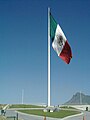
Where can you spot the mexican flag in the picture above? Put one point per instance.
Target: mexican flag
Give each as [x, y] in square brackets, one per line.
[59, 41]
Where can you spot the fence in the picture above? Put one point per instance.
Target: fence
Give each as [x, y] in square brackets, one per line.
[13, 117]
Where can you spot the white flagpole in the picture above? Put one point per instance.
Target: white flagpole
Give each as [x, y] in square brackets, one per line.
[80, 98]
[22, 95]
[48, 56]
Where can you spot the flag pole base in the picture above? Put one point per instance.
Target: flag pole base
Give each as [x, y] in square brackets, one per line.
[51, 109]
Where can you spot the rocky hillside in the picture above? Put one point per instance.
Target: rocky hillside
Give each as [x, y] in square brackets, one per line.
[79, 98]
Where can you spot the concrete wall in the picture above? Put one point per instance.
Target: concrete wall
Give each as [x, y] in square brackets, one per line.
[80, 107]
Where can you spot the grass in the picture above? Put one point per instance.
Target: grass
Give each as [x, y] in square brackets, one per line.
[60, 114]
[2, 118]
[24, 106]
[12, 119]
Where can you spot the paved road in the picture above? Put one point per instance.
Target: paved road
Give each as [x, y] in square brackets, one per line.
[32, 117]
[84, 116]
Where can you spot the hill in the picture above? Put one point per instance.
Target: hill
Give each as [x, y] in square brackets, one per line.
[78, 99]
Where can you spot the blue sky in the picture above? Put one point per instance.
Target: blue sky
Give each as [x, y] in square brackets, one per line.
[23, 50]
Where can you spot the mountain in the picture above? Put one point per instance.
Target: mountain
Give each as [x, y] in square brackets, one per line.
[78, 99]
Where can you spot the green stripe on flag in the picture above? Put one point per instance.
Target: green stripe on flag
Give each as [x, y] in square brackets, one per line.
[53, 26]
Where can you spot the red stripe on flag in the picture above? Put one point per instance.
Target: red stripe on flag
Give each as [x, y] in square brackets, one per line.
[66, 53]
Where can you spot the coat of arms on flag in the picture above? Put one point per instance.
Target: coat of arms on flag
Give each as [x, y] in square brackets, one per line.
[59, 41]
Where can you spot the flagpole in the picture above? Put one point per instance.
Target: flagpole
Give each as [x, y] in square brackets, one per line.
[48, 56]
[80, 98]
[22, 95]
